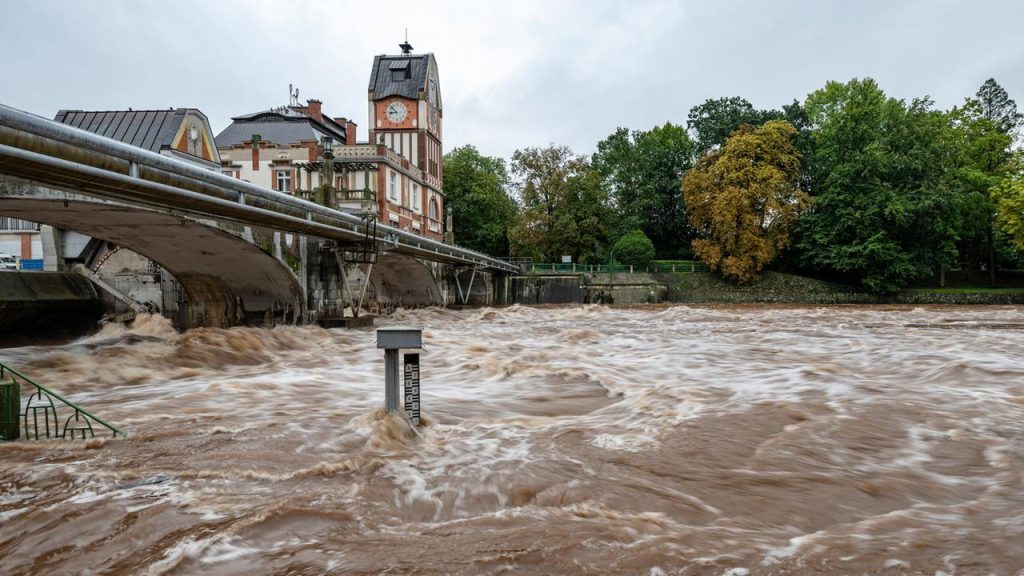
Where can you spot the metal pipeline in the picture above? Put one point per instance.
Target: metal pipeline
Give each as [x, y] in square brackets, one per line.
[113, 185]
[51, 133]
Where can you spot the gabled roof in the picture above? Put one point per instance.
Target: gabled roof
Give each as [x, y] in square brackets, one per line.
[149, 129]
[381, 84]
[281, 126]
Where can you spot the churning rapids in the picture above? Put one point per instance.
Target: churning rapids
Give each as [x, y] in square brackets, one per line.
[666, 440]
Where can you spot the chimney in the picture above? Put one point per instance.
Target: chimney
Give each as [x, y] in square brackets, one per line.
[350, 130]
[312, 108]
[256, 151]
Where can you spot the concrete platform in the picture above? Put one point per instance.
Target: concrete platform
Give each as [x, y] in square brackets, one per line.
[346, 322]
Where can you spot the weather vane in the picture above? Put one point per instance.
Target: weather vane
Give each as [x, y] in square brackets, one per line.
[405, 46]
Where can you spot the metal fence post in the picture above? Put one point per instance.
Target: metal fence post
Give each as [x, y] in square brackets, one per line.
[10, 410]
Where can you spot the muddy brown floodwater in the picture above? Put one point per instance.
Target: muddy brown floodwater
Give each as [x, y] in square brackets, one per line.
[584, 440]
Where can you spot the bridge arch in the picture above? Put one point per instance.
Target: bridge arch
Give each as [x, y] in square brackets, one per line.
[227, 279]
[400, 280]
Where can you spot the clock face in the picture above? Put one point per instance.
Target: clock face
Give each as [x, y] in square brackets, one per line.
[397, 112]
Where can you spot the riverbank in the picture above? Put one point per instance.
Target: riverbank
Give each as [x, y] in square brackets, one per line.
[704, 287]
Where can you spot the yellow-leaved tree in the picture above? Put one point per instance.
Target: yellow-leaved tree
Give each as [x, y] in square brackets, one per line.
[742, 200]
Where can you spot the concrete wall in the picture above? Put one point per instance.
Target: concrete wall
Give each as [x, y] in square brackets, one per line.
[582, 288]
[46, 302]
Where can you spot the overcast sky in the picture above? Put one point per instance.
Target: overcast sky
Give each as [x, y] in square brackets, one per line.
[513, 74]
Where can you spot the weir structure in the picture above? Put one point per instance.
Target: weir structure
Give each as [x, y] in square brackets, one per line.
[243, 254]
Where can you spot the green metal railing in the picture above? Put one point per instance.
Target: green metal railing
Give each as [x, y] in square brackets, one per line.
[673, 266]
[41, 408]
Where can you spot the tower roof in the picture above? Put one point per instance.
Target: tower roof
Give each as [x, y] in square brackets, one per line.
[383, 83]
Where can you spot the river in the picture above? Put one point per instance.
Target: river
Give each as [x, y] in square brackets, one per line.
[728, 440]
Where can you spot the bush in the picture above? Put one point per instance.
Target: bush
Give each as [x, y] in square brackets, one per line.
[634, 249]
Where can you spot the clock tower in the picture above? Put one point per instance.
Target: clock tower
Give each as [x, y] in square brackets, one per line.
[405, 113]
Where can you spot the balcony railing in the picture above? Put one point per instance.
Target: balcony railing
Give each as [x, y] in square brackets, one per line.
[356, 195]
[379, 153]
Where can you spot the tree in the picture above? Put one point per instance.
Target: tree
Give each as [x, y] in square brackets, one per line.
[583, 219]
[564, 209]
[634, 249]
[882, 214]
[997, 107]
[714, 120]
[743, 200]
[1008, 198]
[980, 154]
[642, 170]
[476, 189]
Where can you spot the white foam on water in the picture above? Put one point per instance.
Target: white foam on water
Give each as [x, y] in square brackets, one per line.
[229, 548]
[553, 402]
[624, 442]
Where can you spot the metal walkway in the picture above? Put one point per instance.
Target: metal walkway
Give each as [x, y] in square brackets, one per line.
[71, 159]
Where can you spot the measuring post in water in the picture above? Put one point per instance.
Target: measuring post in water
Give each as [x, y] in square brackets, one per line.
[393, 339]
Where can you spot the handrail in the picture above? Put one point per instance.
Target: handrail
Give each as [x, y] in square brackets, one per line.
[53, 395]
[680, 266]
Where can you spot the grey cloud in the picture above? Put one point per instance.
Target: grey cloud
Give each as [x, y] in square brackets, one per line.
[587, 67]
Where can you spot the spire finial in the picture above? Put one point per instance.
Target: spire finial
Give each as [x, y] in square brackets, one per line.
[405, 46]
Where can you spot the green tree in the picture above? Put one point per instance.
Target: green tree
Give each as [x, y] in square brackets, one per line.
[476, 189]
[714, 120]
[642, 170]
[1008, 198]
[583, 219]
[634, 249]
[980, 155]
[998, 108]
[882, 213]
[743, 199]
[564, 210]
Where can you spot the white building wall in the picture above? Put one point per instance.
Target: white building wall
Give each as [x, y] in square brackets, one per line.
[74, 243]
[10, 244]
[242, 159]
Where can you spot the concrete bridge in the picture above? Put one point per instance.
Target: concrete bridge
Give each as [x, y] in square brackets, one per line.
[243, 254]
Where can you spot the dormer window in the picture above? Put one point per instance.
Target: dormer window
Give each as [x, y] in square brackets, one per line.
[400, 70]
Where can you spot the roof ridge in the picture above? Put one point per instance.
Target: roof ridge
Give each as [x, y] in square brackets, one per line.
[69, 111]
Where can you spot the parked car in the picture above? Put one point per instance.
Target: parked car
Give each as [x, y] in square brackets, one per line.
[8, 262]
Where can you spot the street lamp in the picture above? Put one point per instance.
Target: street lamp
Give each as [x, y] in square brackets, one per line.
[327, 171]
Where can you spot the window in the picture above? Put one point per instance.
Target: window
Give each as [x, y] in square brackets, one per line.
[8, 223]
[433, 209]
[392, 186]
[231, 173]
[399, 70]
[283, 180]
[417, 205]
